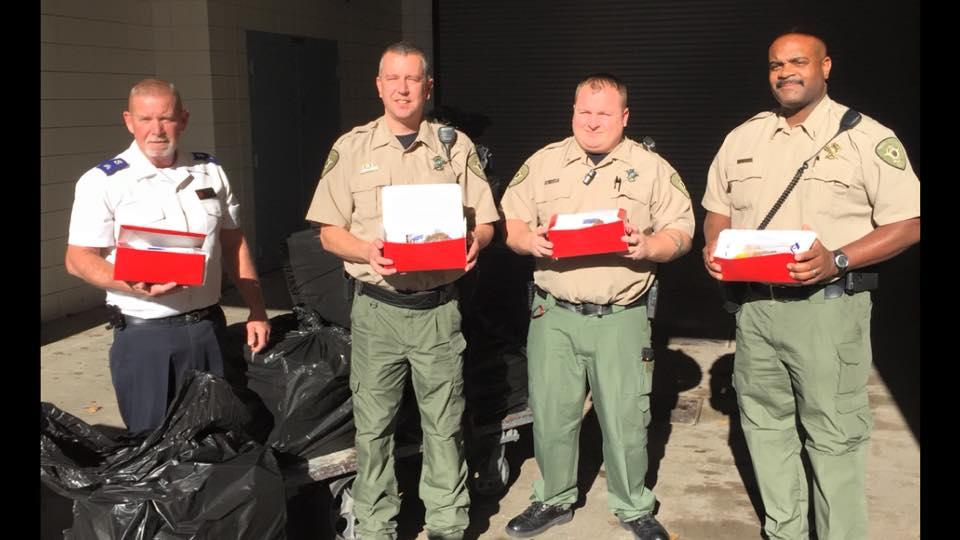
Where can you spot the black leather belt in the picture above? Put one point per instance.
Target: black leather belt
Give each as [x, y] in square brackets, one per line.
[775, 292]
[428, 299]
[586, 308]
[190, 317]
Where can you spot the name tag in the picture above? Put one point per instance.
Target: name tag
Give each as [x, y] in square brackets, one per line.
[206, 193]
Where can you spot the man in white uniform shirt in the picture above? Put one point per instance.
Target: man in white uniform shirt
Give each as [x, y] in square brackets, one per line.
[161, 330]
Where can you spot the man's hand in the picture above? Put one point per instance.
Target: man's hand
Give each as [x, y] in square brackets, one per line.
[152, 290]
[473, 250]
[258, 333]
[713, 268]
[637, 247]
[814, 265]
[539, 245]
[376, 259]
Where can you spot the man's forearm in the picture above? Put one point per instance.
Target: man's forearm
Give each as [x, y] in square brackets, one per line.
[88, 264]
[344, 244]
[483, 234]
[239, 266]
[713, 223]
[667, 245]
[518, 236]
[883, 243]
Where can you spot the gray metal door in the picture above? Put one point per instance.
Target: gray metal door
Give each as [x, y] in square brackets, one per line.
[294, 120]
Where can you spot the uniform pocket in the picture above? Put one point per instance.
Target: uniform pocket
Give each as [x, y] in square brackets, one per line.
[830, 183]
[366, 194]
[553, 199]
[854, 366]
[634, 199]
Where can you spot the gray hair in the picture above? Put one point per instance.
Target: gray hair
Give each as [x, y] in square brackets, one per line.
[158, 87]
[403, 48]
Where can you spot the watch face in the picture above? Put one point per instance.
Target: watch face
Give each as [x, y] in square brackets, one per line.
[840, 260]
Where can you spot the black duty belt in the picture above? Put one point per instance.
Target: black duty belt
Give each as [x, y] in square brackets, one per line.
[766, 291]
[428, 299]
[184, 319]
[586, 308]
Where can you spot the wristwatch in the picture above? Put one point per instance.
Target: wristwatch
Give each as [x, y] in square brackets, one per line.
[840, 259]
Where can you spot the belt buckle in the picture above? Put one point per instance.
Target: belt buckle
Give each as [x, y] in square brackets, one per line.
[598, 310]
[191, 317]
[771, 292]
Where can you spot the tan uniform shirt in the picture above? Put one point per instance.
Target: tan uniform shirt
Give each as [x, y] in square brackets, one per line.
[370, 157]
[649, 190]
[861, 180]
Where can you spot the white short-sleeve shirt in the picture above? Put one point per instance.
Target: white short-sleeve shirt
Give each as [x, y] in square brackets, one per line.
[191, 195]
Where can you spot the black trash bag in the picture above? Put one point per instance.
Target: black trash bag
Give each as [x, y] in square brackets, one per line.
[303, 381]
[315, 278]
[254, 387]
[197, 476]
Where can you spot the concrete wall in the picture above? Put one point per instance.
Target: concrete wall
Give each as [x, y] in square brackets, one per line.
[93, 52]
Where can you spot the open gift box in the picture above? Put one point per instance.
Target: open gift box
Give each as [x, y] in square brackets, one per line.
[587, 233]
[424, 227]
[159, 256]
[762, 256]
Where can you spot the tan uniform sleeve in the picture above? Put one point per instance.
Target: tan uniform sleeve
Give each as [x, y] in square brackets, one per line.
[670, 207]
[716, 199]
[519, 200]
[889, 180]
[332, 202]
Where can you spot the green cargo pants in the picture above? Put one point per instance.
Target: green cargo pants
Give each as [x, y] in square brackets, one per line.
[809, 358]
[565, 350]
[389, 342]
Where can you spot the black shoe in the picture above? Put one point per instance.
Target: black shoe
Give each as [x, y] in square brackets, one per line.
[438, 536]
[646, 528]
[537, 518]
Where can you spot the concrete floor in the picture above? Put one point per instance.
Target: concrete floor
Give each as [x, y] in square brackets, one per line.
[699, 467]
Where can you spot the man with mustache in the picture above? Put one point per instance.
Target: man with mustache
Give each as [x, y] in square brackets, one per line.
[161, 330]
[803, 351]
[589, 320]
[402, 324]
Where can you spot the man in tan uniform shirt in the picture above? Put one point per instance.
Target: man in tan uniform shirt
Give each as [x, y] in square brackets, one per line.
[805, 350]
[402, 322]
[589, 317]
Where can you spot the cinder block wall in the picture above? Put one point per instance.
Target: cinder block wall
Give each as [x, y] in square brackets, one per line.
[93, 52]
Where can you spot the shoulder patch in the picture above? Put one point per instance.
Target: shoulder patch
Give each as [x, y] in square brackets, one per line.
[678, 183]
[332, 158]
[473, 163]
[203, 156]
[111, 166]
[521, 175]
[891, 152]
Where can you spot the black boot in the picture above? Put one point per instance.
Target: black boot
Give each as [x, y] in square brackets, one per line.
[646, 528]
[537, 518]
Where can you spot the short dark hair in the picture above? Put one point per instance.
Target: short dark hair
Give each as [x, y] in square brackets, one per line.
[802, 31]
[596, 82]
